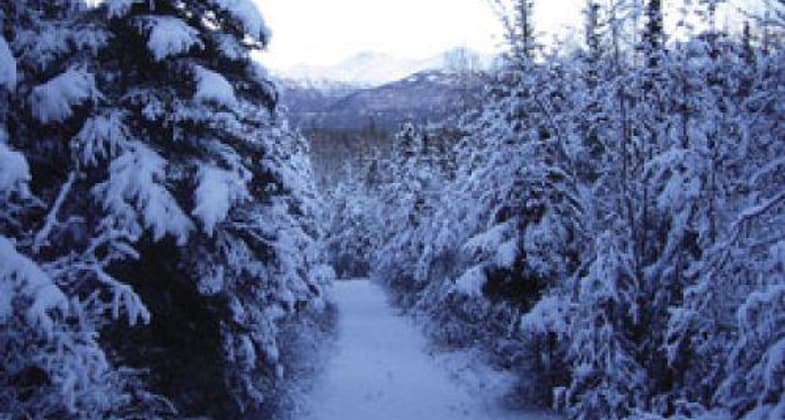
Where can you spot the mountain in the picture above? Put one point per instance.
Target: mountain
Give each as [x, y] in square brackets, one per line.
[369, 69]
[351, 108]
[365, 69]
[307, 96]
[424, 96]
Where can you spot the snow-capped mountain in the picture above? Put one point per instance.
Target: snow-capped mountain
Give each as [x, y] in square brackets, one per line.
[370, 69]
[427, 95]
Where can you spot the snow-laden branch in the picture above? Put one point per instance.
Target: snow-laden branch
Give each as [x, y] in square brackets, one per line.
[737, 228]
[42, 237]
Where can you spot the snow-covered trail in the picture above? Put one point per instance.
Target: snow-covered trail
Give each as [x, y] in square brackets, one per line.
[381, 370]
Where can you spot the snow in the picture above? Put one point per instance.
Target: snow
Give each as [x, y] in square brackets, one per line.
[507, 254]
[548, 315]
[319, 277]
[21, 275]
[773, 167]
[488, 241]
[749, 315]
[170, 36]
[134, 181]
[471, 282]
[213, 282]
[117, 8]
[7, 66]
[6, 293]
[230, 48]
[14, 171]
[775, 367]
[218, 190]
[213, 87]
[382, 370]
[370, 69]
[540, 243]
[101, 137]
[246, 12]
[776, 258]
[54, 100]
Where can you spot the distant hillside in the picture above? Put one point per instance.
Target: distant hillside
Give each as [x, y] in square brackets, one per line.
[372, 69]
[424, 96]
[346, 123]
[368, 68]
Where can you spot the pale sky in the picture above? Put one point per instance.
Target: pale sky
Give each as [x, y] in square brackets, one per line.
[324, 32]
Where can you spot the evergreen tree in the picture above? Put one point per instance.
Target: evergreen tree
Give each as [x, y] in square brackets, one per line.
[518, 19]
[613, 223]
[170, 209]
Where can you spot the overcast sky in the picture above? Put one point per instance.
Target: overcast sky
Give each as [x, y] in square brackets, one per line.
[321, 32]
[324, 32]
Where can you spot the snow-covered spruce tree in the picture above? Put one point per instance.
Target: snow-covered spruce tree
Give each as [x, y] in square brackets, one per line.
[684, 168]
[520, 209]
[744, 262]
[399, 213]
[167, 191]
[217, 191]
[481, 252]
[56, 292]
[414, 183]
[351, 226]
[518, 19]
[614, 225]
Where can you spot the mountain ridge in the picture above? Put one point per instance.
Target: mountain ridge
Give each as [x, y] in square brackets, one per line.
[424, 96]
[373, 69]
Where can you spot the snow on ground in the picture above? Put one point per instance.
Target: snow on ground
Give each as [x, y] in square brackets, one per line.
[382, 370]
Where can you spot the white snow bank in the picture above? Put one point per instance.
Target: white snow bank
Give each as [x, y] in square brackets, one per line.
[134, 184]
[170, 36]
[212, 86]
[54, 100]
[7, 66]
[472, 370]
[218, 190]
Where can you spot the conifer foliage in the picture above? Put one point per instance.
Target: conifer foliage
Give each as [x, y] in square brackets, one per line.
[612, 225]
[159, 224]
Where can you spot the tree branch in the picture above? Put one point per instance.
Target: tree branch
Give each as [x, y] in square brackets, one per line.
[41, 239]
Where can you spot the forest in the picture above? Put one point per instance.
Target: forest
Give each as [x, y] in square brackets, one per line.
[604, 221]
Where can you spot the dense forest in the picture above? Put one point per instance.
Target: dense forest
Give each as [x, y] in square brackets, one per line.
[608, 223]
[606, 220]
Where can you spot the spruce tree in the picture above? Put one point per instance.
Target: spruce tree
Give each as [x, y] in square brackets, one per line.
[169, 208]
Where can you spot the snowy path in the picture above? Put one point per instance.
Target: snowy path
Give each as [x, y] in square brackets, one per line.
[381, 370]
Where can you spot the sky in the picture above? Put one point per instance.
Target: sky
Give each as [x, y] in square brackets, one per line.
[321, 32]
